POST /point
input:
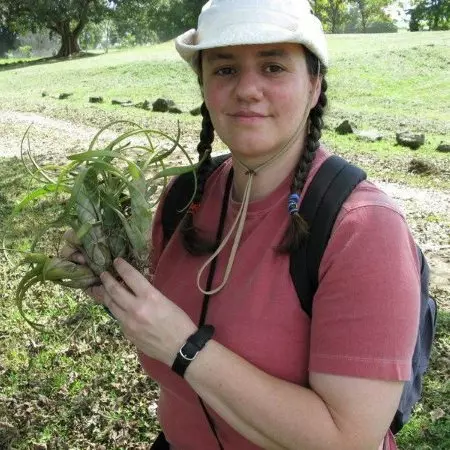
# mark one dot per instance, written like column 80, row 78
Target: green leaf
column 39, row 193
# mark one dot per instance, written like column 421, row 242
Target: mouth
column 248, row 118
column 247, row 115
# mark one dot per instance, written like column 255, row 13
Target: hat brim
column 188, row 48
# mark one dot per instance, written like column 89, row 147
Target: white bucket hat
column 240, row 22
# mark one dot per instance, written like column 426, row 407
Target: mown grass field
column 79, row 385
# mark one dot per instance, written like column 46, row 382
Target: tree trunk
column 69, row 40
column 362, row 11
column 363, row 23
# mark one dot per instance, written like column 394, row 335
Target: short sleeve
column 366, row 309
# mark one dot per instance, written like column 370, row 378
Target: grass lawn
column 78, row 385
column 387, row 82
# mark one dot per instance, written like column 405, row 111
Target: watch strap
column 188, row 352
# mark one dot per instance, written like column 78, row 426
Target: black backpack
column 332, row 184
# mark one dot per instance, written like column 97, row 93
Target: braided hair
column 191, row 235
column 297, row 231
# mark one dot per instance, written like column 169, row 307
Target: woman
column 269, row 377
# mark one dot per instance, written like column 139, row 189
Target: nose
column 249, row 87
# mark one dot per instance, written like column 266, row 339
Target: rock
column 162, row 105
column 64, row 95
column 95, row 99
column 143, row 105
column 421, row 167
column 411, row 140
column 444, row 148
column 346, row 127
column 196, row 111
column 175, row 110
column 37, row 446
column 115, row 101
column 369, row 135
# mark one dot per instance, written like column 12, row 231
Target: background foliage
column 87, row 24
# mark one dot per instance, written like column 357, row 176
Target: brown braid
column 298, row 228
column 192, row 241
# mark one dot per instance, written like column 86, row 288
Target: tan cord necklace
column 242, row 214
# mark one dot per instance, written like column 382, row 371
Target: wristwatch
column 188, row 352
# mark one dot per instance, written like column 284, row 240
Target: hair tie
column 293, row 201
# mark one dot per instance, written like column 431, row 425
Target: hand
column 71, row 252
column 151, row 321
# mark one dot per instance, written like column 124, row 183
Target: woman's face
column 258, row 96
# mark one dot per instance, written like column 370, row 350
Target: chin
column 250, row 152
column 251, row 148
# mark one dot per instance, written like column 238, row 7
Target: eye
column 273, row 68
column 225, row 71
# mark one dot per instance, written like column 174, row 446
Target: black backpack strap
column 178, row 197
column 330, row 187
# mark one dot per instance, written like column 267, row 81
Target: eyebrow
column 270, row 53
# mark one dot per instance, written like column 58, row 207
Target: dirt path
column 49, row 137
column 428, row 211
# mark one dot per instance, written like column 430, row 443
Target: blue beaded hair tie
column 293, row 201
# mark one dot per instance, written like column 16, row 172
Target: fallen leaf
column 437, row 414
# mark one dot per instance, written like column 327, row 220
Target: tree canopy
column 432, row 14
column 161, row 18
column 339, row 16
column 66, row 18
column 144, row 21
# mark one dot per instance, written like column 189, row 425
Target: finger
column 119, row 294
column 113, row 309
column 132, row 277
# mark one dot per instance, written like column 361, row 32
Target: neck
column 269, row 177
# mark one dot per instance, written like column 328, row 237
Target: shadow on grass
column 44, row 61
column 15, row 184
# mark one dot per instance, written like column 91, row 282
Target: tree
column 163, row 18
column 371, row 11
column 135, row 17
column 66, row 18
column 336, row 14
column 433, row 14
column 8, row 40
column 332, row 13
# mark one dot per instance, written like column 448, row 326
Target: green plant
column 25, row 51
column 107, row 196
column 381, row 27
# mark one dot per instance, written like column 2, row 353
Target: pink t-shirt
column 365, row 312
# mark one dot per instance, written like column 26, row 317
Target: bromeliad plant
column 107, row 196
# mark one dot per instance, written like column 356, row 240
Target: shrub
column 381, row 27
column 25, row 51
column 129, row 40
